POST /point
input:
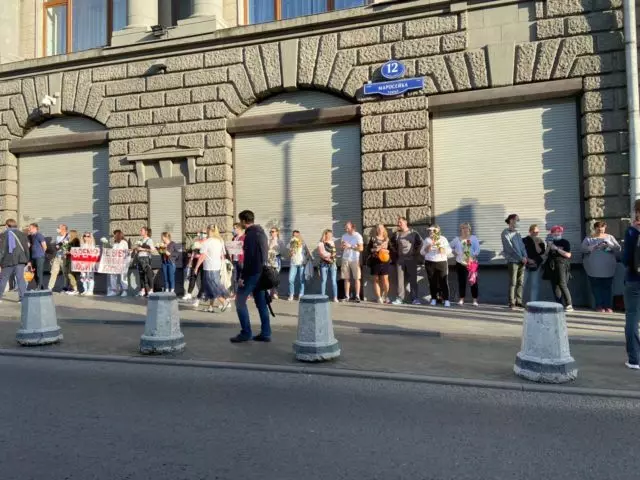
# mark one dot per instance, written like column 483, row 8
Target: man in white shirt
column 118, row 282
column 352, row 245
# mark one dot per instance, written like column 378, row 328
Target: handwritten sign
column 234, row 248
column 114, row 262
column 84, row 259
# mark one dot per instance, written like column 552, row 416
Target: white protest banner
column 114, row 261
column 233, row 248
column 84, row 259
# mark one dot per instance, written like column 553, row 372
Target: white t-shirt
column 121, row 245
column 352, row 254
column 213, row 250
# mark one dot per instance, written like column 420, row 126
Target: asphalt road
column 105, row 421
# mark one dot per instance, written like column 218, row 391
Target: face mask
column 58, row 230
column 557, row 237
column 234, row 231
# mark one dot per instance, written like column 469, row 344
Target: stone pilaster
column 141, row 16
column 395, row 162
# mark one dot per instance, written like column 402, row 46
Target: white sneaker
column 461, row 303
column 290, row 299
column 475, row 303
column 632, row 366
column 141, row 293
column 335, row 300
column 196, row 303
column 433, row 303
column 187, row 297
column 211, row 309
column 416, row 302
column 447, row 303
column 568, row 308
column 72, row 292
column 381, row 300
column 111, row 294
column 225, row 306
column 124, row 294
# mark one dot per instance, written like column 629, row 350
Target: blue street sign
column 395, row 87
column 392, row 70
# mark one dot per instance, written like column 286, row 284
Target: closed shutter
column 166, row 214
column 491, row 163
column 301, row 180
column 296, row 102
column 70, row 187
column 64, row 126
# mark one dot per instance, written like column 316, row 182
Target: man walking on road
column 405, row 247
column 14, row 257
column 38, row 251
column 630, row 259
column 516, row 256
column 58, row 263
column 254, row 250
column 352, row 246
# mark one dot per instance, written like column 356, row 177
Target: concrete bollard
column 162, row 328
column 545, row 355
column 38, row 320
column 315, row 342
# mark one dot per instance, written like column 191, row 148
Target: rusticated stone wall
column 189, row 106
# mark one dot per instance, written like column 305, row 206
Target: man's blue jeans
column 294, row 272
column 632, row 315
column 325, row 271
column 260, row 297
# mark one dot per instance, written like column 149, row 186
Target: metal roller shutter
column 70, row 187
column 166, row 214
column 304, row 180
column 64, row 126
column 490, row 163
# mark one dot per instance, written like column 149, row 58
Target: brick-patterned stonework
column 189, row 105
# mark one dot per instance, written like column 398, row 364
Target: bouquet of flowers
column 294, row 246
column 162, row 248
column 66, row 247
column 436, row 241
column 104, row 240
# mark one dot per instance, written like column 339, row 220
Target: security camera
column 48, row 101
column 159, row 66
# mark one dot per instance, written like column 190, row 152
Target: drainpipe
column 633, row 102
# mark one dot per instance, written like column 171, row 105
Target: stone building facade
column 469, row 53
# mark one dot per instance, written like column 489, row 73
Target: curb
column 330, row 372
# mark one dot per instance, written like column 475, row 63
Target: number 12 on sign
column 392, row 69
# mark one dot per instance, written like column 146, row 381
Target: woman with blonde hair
column 274, row 254
column 74, row 242
column 212, row 256
column 327, row 252
column 88, row 278
column 466, row 248
column 436, row 251
column 379, row 262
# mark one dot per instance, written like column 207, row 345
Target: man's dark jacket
column 19, row 256
column 255, row 249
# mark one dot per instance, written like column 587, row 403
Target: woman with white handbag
column 212, row 259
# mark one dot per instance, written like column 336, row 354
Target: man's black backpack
column 635, row 260
column 269, row 279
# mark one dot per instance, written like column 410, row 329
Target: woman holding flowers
column 299, row 255
column 169, row 253
column 327, row 251
column 274, row 255
column 88, row 278
column 436, row 251
column 143, row 249
column 74, row 242
column 192, row 260
column 379, row 261
column 212, row 260
column 466, row 248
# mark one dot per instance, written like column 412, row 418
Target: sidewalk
column 478, row 344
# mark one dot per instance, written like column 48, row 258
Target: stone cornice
column 336, row 21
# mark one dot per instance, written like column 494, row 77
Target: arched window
column 76, row 25
column 261, row 11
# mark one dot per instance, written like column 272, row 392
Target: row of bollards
column 544, row 356
column 162, row 334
